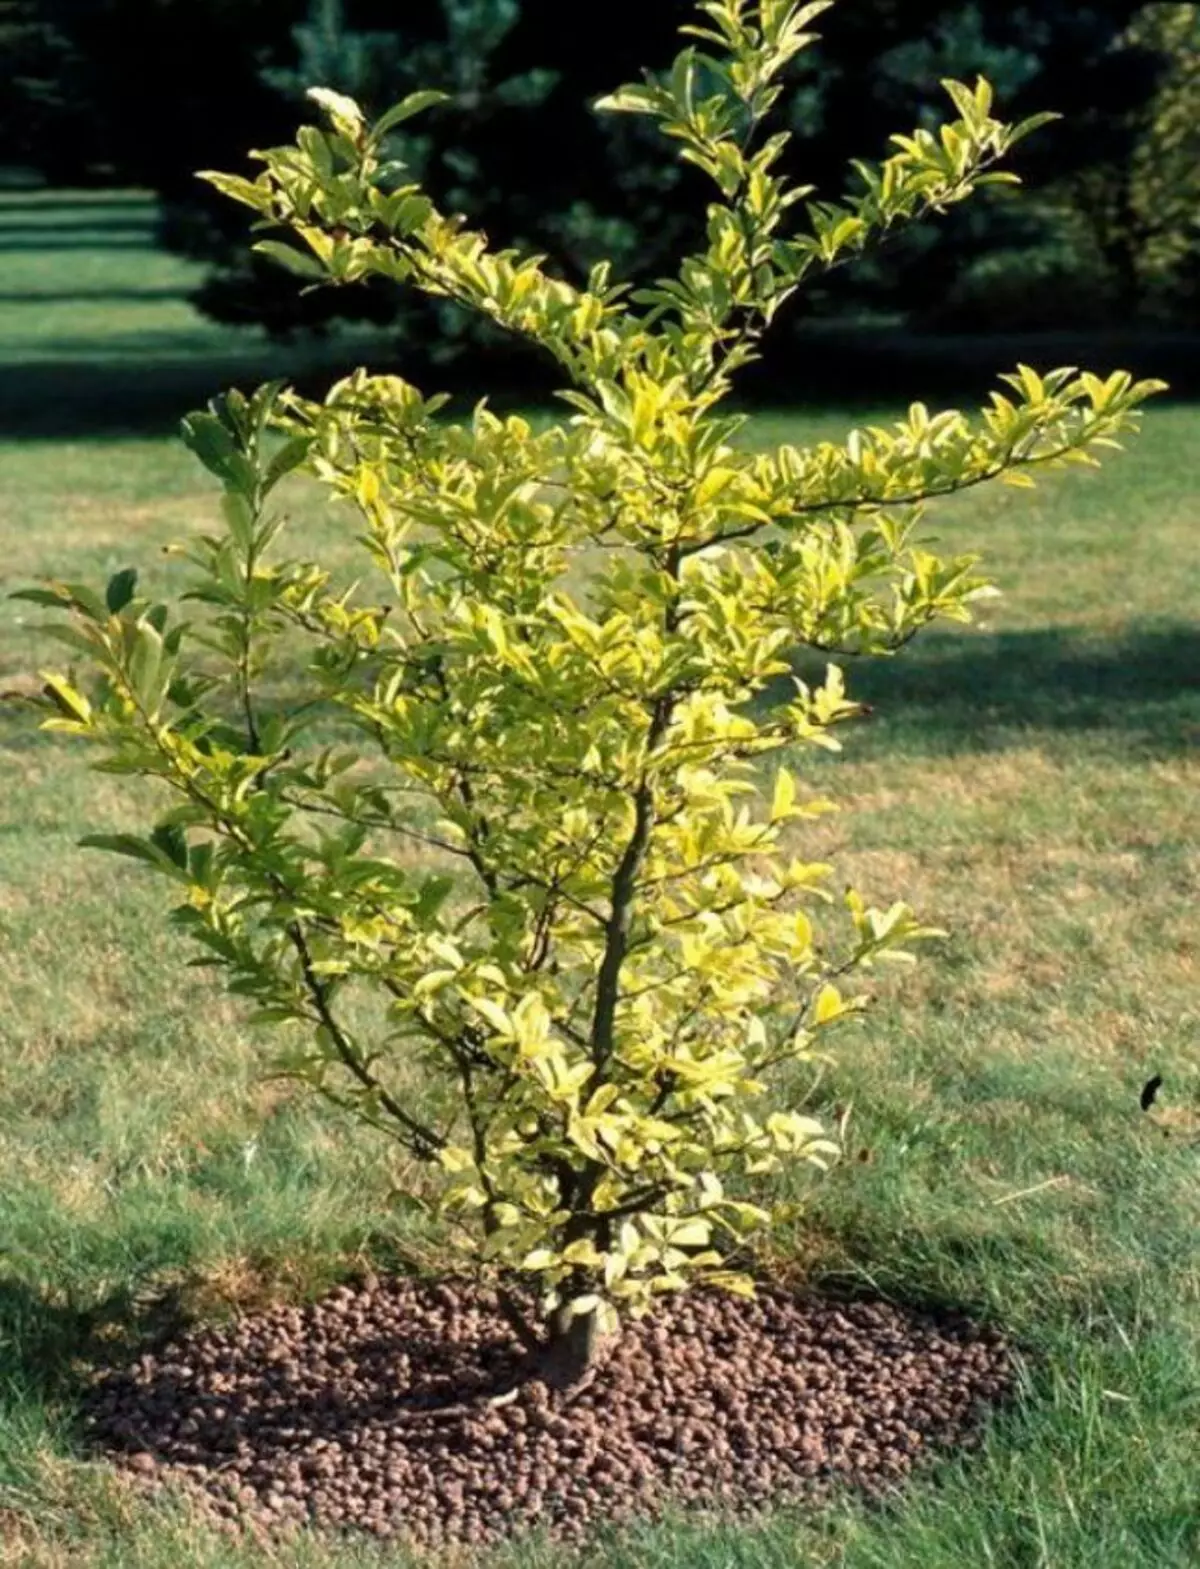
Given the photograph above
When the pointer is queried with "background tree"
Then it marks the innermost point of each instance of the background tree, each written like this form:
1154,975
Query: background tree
35,118
454,43
996,253
1138,208
523,154
142,92
586,187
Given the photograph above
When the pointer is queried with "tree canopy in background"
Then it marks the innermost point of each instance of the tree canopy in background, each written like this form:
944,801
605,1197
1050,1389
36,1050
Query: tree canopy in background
1108,233
1139,205
136,91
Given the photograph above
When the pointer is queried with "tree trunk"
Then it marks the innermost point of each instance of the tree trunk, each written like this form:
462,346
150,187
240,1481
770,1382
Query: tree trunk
572,1353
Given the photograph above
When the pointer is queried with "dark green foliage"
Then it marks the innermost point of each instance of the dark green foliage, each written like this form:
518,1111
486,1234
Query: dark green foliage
519,151
140,91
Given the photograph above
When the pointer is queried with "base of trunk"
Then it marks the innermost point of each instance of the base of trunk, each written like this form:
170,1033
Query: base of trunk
573,1353
567,1361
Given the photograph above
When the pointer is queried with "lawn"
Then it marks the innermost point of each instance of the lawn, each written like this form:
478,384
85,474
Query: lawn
1030,784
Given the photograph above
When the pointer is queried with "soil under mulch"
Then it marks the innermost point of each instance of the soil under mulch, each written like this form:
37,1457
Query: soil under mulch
328,1414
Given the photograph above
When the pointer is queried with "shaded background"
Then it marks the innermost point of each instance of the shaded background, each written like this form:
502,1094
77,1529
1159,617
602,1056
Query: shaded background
1097,258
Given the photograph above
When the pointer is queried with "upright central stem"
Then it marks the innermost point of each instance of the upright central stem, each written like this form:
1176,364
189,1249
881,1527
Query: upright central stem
574,1343
624,884
616,938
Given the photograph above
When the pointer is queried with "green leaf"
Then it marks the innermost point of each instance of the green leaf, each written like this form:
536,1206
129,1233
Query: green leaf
145,661
207,437
271,1015
694,1233
239,515
1035,122
493,1013
783,797
57,598
828,1004
290,456
240,189
88,601
414,103
137,850
683,78
120,589
172,841
632,100
302,263
71,637
434,893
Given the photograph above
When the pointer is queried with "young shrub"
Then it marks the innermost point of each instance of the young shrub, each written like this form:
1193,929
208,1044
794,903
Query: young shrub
608,950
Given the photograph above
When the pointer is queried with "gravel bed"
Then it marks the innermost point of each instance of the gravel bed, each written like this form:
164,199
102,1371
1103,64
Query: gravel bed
328,1414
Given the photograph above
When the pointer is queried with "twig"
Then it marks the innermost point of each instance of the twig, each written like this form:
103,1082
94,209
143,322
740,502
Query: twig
1050,1182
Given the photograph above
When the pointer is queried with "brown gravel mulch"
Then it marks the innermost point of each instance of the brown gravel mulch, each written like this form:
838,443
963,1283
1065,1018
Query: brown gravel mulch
328,1414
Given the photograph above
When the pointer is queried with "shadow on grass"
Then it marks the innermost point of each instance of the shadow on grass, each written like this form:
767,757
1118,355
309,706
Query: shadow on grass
148,348
816,364
951,692
50,400
63,398
51,1345
47,1347
68,225
82,295
56,401
970,689
100,199
131,236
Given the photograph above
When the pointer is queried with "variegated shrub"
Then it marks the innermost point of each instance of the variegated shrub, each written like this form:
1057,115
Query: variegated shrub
604,955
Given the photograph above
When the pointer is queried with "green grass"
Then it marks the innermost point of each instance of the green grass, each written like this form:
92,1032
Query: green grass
1030,784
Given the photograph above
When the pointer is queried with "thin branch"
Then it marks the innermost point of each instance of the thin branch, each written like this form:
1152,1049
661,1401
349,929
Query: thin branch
387,824
721,858
426,1143
781,1055
637,1202
863,503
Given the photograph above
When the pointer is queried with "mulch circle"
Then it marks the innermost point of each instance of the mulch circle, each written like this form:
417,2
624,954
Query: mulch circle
328,1414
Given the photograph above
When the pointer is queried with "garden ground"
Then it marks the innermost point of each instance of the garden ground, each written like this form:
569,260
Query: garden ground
1030,784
